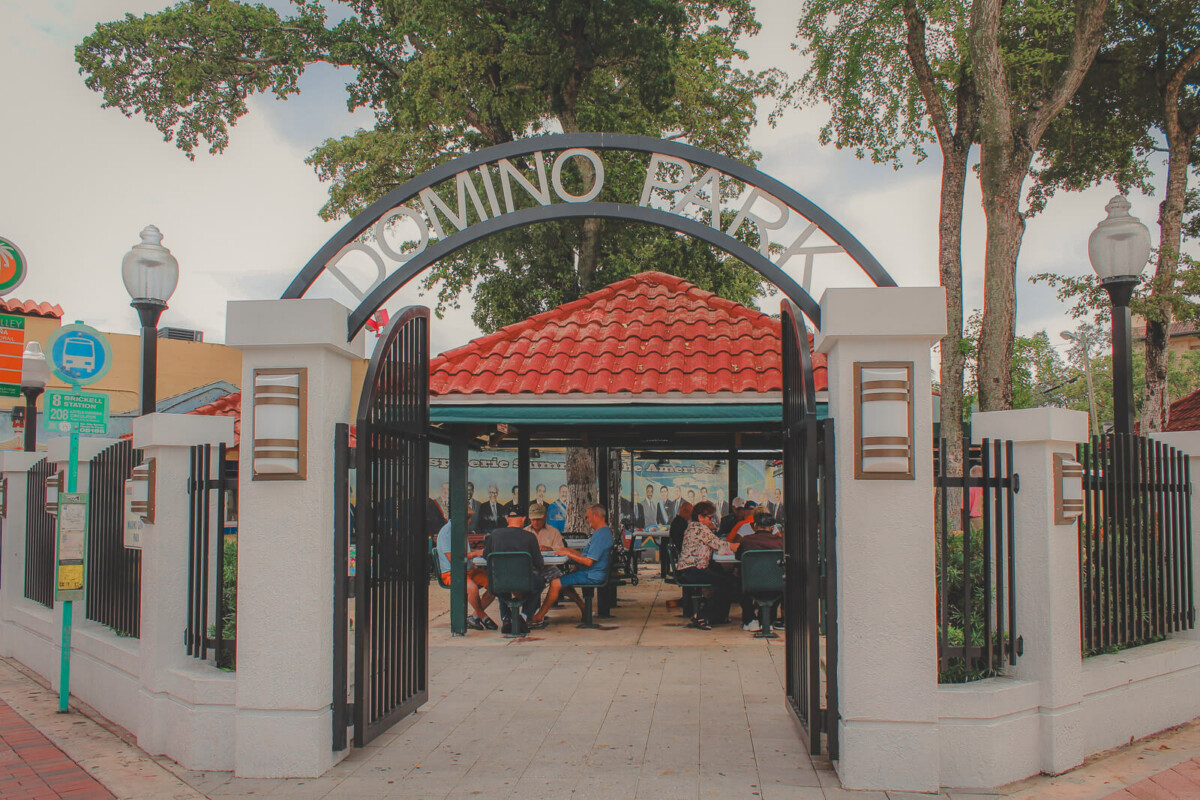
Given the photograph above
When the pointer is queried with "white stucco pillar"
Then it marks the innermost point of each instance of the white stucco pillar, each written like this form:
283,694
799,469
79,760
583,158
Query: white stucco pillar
1047,574
1189,443
887,663
176,717
285,544
14,467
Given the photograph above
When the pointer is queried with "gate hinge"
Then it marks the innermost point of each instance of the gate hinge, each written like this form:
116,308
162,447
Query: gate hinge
1016,483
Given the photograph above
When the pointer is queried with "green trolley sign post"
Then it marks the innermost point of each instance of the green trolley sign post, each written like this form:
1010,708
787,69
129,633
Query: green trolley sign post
79,355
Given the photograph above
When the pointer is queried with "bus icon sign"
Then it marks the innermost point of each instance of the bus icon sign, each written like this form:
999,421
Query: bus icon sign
79,354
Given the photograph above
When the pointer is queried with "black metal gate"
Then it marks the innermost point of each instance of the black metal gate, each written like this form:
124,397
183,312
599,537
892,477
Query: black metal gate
391,641
810,600
114,571
212,562
39,536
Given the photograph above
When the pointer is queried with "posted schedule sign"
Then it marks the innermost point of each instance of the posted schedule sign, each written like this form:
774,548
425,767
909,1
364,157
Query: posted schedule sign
72,544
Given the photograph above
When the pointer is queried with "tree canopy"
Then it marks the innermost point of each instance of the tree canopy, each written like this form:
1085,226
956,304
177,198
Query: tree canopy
446,77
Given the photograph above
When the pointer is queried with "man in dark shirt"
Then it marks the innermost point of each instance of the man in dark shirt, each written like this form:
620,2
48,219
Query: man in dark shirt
730,519
516,538
764,537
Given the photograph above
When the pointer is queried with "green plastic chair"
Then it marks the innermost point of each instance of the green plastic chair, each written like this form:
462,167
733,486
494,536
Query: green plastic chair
762,579
511,573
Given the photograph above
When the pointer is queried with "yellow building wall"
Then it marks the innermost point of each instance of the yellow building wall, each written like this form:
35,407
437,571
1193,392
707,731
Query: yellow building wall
182,366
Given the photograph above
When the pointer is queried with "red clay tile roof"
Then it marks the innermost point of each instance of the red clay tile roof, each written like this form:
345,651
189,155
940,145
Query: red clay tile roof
229,405
30,309
1185,413
650,334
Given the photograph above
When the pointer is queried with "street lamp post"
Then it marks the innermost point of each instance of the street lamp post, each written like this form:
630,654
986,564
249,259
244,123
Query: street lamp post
150,274
1082,340
1119,248
35,374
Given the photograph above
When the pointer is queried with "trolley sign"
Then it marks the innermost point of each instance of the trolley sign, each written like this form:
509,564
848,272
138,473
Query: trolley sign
79,354
85,413
72,544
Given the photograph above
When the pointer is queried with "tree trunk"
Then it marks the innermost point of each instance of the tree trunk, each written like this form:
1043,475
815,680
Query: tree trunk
1156,402
581,487
954,178
1005,227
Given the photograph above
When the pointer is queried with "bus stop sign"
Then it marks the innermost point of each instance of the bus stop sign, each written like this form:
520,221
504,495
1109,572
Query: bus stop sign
79,354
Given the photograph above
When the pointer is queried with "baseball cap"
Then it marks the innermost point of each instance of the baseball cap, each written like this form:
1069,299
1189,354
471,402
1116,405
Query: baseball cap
738,502
537,511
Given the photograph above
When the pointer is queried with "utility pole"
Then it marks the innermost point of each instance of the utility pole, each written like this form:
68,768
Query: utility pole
1082,340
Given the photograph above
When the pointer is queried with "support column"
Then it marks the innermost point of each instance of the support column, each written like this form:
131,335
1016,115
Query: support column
285,543
458,534
887,661
1047,574
196,732
14,468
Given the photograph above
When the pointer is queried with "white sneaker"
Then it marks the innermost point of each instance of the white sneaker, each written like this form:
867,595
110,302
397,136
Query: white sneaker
753,625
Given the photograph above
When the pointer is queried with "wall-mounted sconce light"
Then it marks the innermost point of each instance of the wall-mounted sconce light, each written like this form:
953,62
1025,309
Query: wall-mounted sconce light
280,424
883,420
143,485
54,484
1068,489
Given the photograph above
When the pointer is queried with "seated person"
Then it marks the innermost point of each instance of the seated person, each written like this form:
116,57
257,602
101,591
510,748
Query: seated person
680,523
476,580
766,536
516,538
742,523
699,544
593,562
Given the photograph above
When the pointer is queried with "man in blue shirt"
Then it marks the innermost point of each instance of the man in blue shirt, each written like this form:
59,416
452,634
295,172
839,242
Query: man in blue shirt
592,563
476,579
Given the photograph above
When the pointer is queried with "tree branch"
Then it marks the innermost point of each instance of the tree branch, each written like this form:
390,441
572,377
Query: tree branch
1089,28
918,56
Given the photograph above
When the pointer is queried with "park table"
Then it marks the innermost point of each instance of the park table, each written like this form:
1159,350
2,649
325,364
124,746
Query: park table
662,535
549,559
725,558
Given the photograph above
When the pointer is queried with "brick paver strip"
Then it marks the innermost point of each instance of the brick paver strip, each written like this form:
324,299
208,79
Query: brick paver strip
1181,782
31,768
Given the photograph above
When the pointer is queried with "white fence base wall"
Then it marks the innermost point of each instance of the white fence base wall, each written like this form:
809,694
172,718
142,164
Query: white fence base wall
992,732
1140,691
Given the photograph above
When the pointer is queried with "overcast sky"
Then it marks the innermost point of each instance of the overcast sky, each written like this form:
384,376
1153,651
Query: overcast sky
80,182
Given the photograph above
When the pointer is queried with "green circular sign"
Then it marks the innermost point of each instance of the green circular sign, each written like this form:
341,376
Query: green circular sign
12,266
79,354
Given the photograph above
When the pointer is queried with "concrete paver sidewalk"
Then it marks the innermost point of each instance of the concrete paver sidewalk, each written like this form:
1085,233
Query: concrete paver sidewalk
644,708
76,755
31,768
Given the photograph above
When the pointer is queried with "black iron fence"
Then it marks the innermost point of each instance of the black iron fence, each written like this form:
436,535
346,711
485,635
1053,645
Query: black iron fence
212,559
39,537
1135,542
976,605
114,571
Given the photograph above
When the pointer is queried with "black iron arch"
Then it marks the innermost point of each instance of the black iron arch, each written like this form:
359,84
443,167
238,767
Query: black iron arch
634,213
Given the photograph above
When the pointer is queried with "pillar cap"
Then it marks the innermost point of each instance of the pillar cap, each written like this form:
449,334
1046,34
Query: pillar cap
18,460
1046,424
302,323
892,312
181,430
58,450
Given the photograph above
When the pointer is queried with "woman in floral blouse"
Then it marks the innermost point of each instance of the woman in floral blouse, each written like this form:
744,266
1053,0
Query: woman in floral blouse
699,544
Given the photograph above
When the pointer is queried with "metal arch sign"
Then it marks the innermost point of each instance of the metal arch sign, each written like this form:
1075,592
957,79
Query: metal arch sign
13,266
79,354
685,189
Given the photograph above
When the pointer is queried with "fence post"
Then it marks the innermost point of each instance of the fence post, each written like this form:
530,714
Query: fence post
1188,442
886,588
185,731
285,539
14,468
1047,574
